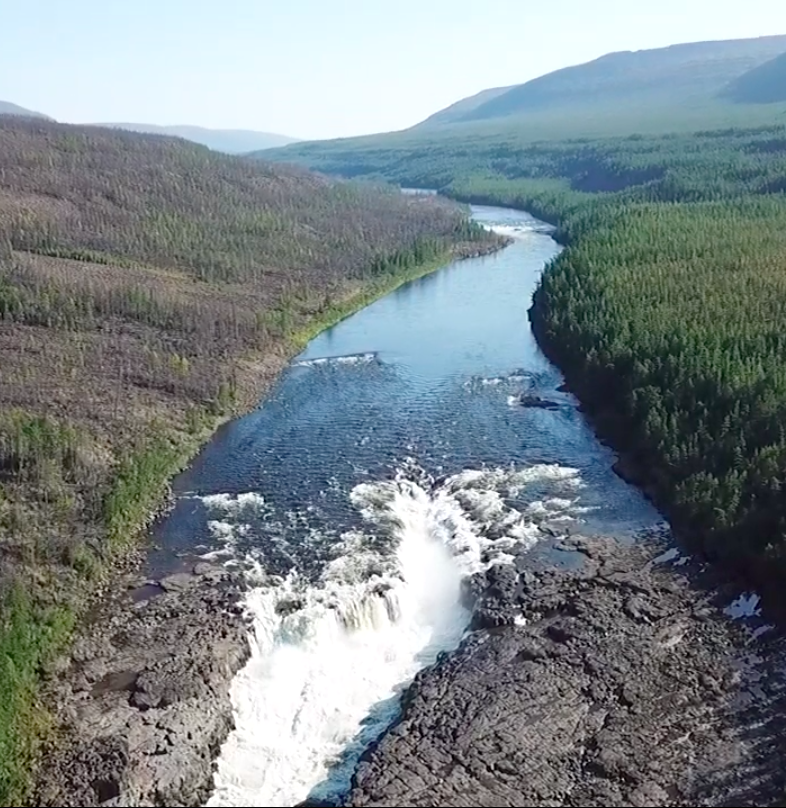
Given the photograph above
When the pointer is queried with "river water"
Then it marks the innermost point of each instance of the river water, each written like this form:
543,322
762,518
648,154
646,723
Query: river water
391,459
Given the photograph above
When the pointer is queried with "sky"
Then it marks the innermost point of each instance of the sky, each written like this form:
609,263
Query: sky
322,68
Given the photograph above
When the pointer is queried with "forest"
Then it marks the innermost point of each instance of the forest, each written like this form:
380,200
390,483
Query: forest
670,299
148,289
666,311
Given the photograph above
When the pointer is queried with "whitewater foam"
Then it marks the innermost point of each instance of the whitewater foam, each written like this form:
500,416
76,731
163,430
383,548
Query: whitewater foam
513,230
329,657
348,359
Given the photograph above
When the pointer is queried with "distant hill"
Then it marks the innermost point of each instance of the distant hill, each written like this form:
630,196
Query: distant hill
7,108
456,112
765,84
680,73
230,141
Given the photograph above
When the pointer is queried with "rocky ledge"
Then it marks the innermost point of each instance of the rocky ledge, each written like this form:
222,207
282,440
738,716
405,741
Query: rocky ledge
477,249
620,683
144,700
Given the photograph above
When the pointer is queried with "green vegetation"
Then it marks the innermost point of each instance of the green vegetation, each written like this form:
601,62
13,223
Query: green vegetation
665,311
149,289
667,318
30,636
545,145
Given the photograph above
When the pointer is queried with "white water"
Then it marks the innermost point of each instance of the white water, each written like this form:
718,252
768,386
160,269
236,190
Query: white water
349,359
517,231
330,658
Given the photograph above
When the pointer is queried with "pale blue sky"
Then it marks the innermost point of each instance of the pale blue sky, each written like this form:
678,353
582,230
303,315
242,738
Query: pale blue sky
322,68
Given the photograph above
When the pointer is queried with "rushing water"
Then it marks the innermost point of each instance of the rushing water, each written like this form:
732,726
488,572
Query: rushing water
391,459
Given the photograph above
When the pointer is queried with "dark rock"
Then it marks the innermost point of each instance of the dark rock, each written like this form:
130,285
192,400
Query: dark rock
495,597
611,694
204,568
289,606
146,732
176,582
536,401
472,587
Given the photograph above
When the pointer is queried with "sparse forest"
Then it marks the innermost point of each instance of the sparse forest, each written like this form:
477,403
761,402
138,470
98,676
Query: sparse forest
148,288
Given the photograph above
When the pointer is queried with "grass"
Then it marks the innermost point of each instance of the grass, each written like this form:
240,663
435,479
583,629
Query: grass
29,640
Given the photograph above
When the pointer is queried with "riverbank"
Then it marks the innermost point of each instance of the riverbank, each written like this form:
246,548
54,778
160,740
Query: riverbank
102,727
370,292
623,682
623,376
144,702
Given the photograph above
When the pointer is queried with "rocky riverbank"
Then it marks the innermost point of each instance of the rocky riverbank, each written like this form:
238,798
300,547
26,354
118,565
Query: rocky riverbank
623,682
144,700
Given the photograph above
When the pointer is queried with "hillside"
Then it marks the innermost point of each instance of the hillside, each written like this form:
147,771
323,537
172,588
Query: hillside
148,288
231,141
429,157
7,108
765,84
461,109
679,73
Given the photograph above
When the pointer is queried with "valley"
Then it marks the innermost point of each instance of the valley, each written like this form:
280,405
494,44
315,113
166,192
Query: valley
314,492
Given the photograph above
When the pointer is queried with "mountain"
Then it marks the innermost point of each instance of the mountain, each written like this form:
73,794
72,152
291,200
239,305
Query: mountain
680,89
765,84
455,112
7,108
231,141
690,72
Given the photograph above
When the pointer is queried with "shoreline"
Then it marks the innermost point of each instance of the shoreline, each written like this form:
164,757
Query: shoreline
145,697
748,572
78,710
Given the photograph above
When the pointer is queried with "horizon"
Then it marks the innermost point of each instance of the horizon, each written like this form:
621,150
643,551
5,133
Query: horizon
316,65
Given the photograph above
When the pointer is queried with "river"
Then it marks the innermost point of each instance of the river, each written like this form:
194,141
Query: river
391,459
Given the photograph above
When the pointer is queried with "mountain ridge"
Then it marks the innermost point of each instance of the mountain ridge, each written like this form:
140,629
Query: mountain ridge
231,141
699,70
765,84
464,106
9,108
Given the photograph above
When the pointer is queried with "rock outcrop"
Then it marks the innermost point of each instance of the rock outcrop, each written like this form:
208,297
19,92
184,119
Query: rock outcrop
621,683
144,702
536,402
